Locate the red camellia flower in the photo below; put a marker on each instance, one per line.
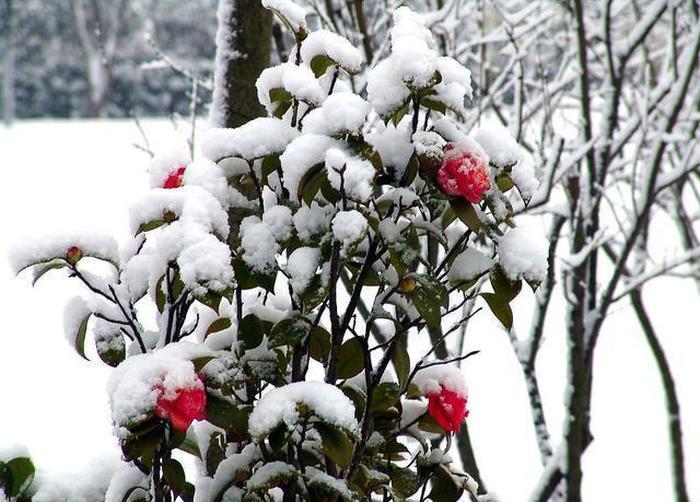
(187, 406)
(174, 179)
(448, 408)
(463, 173)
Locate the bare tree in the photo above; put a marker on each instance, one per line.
(98, 25)
(8, 75)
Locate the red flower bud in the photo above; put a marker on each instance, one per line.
(464, 173)
(448, 408)
(187, 406)
(74, 254)
(174, 179)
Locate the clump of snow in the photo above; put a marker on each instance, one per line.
(429, 144)
(522, 254)
(258, 138)
(279, 405)
(302, 154)
(337, 48)
(208, 175)
(76, 486)
(136, 384)
(279, 220)
(311, 221)
(430, 380)
(13, 450)
(126, 477)
(469, 265)
(330, 484)
(393, 145)
(412, 48)
(400, 196)
(206, 265)
(385, 88)
(524, 177)
(293, 13)
(342, 112)
(349, 227)
(231, 468)
(455, 84)
(499, 145)
(259, 244)
(349, 173)
(46, 248)
(301, 267)
(266, 473)
(168, 161)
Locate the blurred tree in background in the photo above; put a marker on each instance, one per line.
(74, 58)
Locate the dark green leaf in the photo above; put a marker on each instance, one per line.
(289, 331)
(444, 487)
(320, 345)
(405, 481)
(351, 358)
(21, 471)
(500, 309)
(384, 396)
(174, 475)
(319, 64)
(200, 362)
(52, 265)
(147, 226)
(401, 361)
(251, 331)
(79, 342)
(336, 444)
(219, 324)
(466, 212)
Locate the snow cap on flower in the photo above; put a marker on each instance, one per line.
(464, 172)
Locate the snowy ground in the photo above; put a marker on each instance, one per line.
(83, 175)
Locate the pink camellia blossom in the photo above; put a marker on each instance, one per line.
(448, 408)
(464, 173)
(174, 179)
(187, 405)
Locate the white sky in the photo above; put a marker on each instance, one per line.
(68, 176)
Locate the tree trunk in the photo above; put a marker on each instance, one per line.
(243, 44)
(8, 74)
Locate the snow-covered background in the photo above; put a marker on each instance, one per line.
(82, 175)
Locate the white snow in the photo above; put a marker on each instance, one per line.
(32, 251)
(279, 221)
(385, 89)
(469, 265)
(75, 312)
(349, 227)
(498, 144)
(259, 244)
(341, 113)
(354, 174)
(167, 161)
(279, 405)
(206, 265)
(268, 472)
(302, 154)
(310, 221)
(293, 13)
(339, 49)
(393, 145)
(522, 253)
(125, 478)
(430, 380)
(258, 138)
(301, 267)
(524, 177)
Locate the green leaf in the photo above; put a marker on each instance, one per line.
(251, 332)
(279, 94)
(127, 494)
(21, 470)
(466, 212)
(336, 444)
(147, 226)
(112, 349)
(351, 358)
(200, 362)
(310, 183)
(444, 487)
(289, 331)
(405, 481)
(160, 295)
(428, 298)
(79, 340)
(500, 309)
(320, 345)
(402, 362)
(216, 452)
(174, 475)
(384, 396)
(228, 416)
(505, 289)
(319, 64)
(219, 324)
(429, 424)
(52, 265)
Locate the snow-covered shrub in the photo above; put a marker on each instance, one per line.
(291, 384)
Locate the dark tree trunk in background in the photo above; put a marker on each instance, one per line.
(243, 44)
(8, 71)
